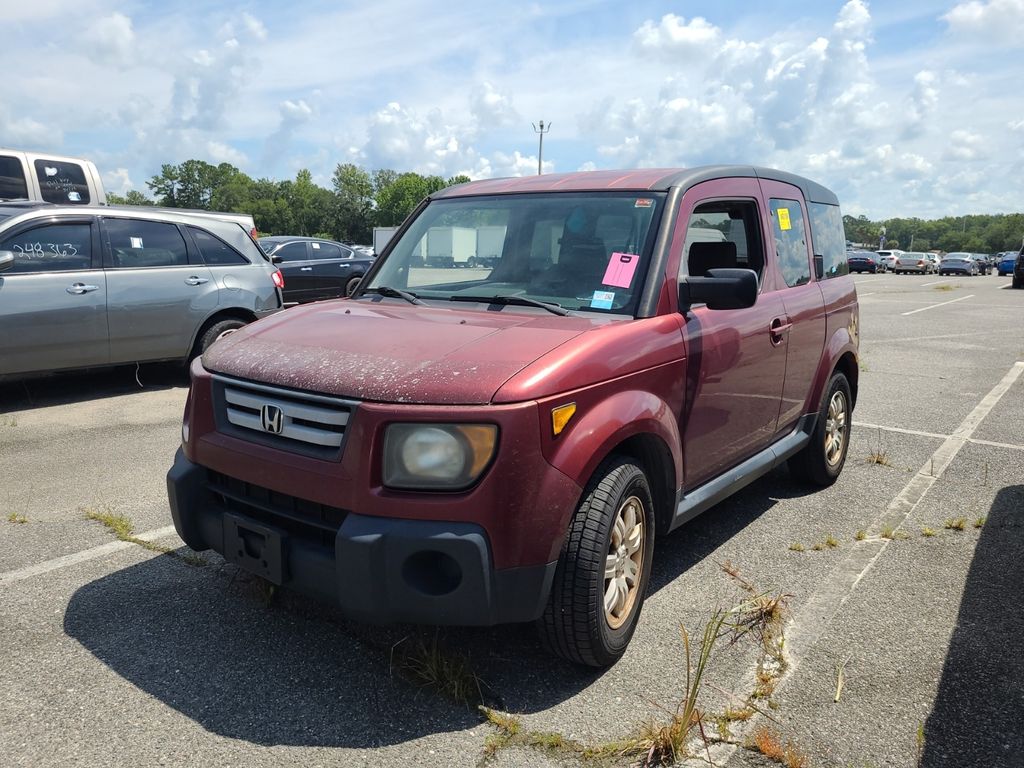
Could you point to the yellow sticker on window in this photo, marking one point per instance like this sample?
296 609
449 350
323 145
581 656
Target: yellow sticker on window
784 219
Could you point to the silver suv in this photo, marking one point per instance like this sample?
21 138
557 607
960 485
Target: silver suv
84 286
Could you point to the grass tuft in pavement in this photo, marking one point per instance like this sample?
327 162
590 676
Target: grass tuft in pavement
769 743
428 664
980 522
796 546
927 532
123 528
14 517
956 524
860 535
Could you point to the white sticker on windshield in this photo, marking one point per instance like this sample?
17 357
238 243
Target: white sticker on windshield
136 242
49 170
602 299
74 197
316 245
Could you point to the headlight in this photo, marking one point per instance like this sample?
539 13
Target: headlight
437 456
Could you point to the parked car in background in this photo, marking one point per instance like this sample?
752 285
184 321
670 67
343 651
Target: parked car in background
889 258
864 261
1005 264
914 261
958 263
85 286
985 262
47 178
315 269
451 447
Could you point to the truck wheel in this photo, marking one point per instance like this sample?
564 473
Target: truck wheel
604 568
821 460
210 334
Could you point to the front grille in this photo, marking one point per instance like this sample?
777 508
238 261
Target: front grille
300 422
306 520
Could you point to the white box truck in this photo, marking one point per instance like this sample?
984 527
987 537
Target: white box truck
381 236
450 246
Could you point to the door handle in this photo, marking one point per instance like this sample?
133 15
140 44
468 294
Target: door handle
79 288
778 329
196 280
305 269
344 266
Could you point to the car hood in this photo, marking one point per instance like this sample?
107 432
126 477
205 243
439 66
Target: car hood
392 353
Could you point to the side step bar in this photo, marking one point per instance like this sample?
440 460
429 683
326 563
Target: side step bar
692 503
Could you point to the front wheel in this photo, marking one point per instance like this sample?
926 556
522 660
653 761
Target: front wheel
213 332
604 567
821 460
352 284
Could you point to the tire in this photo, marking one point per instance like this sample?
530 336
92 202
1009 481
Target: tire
1017 283
352 284
818 463
214 331
575 624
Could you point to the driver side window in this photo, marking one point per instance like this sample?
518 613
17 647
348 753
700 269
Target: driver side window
723 234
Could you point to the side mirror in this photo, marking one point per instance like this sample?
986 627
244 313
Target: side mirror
819 266
6 260
721 289
275 259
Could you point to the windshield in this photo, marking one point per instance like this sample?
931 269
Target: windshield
580 251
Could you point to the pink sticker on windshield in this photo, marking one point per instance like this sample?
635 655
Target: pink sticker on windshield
620 270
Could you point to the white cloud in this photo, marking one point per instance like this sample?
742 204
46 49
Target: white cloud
24 132
995 21
118 181
111 40
964 145
675 35
491 108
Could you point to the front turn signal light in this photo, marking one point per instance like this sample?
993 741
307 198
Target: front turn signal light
560 417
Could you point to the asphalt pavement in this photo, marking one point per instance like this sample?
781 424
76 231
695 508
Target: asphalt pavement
112 654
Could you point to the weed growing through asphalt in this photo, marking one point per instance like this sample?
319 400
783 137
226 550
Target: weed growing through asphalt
927 532
796 546
123 528
8 421
943 287
14 517
758 616
860 535
879 457
956 524
426 663
768 743
831 541
818 547
980 522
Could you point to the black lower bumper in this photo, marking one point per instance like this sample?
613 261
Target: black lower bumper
379 570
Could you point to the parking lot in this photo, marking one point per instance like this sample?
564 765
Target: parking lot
115 654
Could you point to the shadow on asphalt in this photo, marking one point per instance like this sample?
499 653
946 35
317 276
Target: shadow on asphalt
94 384
299 674
979 708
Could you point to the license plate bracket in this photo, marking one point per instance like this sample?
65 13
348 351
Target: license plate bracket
256 547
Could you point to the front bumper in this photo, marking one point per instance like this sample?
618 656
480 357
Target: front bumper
377 569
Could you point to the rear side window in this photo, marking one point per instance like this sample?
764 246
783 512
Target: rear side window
328 251
136 244
829 238
12 179
790 241
51 248
62 182
214 250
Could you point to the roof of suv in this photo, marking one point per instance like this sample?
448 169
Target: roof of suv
651 179
30 210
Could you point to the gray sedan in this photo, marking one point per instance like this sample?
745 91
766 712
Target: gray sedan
958 264
90 286
914 261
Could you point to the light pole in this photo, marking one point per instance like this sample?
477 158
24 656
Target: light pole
540 152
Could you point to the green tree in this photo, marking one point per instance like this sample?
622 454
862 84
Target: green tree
132 197
353 207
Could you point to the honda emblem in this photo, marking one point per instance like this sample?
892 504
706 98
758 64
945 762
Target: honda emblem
272 419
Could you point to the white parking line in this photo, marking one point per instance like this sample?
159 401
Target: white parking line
809 624
942 304
937 282
81 557
918 433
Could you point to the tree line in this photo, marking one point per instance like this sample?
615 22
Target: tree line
358 201
979 233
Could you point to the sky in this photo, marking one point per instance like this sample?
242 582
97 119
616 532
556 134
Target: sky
906 108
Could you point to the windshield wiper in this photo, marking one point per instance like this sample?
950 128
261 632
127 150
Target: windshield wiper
522 301
396 293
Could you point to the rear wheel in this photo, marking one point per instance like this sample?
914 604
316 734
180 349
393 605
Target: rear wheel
821 460
602 573
352 284
214 331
